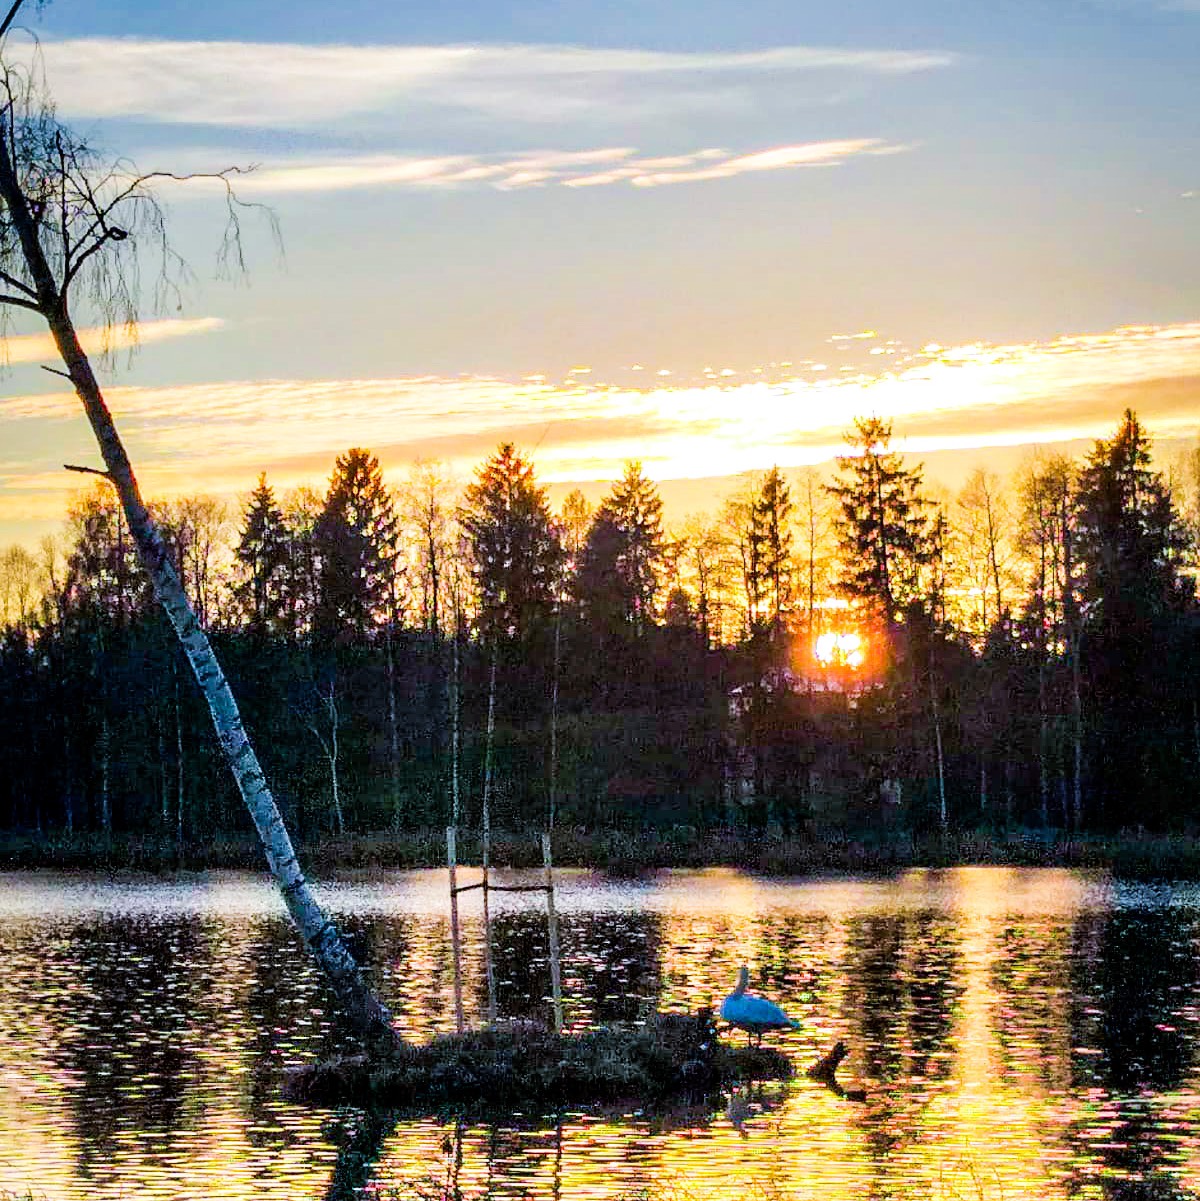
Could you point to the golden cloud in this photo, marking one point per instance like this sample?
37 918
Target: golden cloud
218 436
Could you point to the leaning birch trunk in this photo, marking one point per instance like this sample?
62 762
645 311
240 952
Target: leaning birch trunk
369 1016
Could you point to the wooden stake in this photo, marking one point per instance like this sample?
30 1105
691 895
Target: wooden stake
455 941
554 717
487 843
552 920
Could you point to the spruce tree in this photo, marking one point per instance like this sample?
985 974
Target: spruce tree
262 557
1132 540
883 528
355 538
770 550
1138 648
622 557
514 547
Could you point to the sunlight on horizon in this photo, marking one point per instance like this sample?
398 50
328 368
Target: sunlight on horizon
583 427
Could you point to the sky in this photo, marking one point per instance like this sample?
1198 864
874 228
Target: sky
706 235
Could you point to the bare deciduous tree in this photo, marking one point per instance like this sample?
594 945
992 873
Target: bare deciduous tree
20 585
983 533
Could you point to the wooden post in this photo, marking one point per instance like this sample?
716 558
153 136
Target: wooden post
552 921
454 707
487 842
554 716
489 968
455 942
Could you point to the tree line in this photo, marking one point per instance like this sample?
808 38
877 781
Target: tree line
852 653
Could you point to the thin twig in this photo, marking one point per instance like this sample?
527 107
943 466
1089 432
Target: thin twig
55 371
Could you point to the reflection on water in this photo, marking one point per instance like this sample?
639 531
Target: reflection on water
1019 1034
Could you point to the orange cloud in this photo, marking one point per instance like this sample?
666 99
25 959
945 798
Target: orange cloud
32 348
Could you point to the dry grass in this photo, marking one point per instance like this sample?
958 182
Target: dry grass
675 1057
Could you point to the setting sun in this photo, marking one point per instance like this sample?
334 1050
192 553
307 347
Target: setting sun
840 649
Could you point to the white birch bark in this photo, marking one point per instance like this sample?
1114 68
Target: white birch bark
369 1016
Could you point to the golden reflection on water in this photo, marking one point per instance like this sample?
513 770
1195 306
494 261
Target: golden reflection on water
1019 1034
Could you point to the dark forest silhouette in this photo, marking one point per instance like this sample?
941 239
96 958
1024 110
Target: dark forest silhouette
1032 660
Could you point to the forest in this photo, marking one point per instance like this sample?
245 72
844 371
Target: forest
854 653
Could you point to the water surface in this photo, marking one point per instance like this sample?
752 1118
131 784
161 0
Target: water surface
1025 1033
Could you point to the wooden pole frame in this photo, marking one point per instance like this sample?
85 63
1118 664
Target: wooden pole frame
455 940
552 924
486 887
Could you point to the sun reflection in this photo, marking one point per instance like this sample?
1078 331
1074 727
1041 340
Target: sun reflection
986 1011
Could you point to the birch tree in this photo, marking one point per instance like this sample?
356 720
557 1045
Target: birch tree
19 586
815 550
71 227
982 530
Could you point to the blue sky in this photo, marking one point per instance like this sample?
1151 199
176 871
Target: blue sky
511 193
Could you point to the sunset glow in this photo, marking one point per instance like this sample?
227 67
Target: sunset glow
585 423
837 649
480 246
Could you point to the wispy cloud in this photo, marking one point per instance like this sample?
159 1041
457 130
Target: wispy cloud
33 348
294 86
573 169
814 154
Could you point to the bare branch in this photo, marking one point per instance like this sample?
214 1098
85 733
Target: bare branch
20 302
99 228
231 247
8 20
109 235
55 371
20 286
88 471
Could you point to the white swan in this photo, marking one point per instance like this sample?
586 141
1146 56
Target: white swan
755 1015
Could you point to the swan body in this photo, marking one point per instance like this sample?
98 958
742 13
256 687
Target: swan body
755 1015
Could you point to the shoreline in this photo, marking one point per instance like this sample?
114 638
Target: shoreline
1163 857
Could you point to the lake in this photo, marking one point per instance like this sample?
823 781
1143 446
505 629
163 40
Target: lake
1019 1033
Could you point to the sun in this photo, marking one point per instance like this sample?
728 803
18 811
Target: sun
838 649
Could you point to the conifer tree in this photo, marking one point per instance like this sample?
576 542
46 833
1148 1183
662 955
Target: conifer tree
513 546
770 546
1132 540
1137 651
355 541
622 557
883 528
262 559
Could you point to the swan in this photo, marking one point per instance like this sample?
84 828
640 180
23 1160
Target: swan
755 1015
